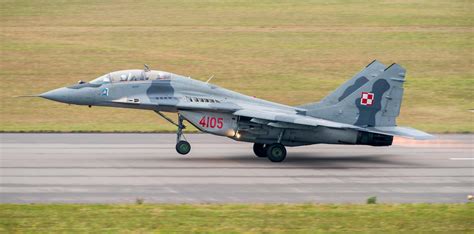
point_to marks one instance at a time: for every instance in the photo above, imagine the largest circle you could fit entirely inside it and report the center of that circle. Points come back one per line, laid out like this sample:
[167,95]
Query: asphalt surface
[119,168]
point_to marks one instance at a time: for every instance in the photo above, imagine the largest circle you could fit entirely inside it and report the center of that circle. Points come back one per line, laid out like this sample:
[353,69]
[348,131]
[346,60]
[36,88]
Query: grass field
[292,52]
[301,218]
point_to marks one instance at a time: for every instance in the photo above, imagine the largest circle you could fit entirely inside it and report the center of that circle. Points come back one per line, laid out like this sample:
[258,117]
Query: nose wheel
[183,147]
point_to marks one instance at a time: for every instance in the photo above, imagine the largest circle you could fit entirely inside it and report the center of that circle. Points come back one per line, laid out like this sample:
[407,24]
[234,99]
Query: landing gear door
[222,124]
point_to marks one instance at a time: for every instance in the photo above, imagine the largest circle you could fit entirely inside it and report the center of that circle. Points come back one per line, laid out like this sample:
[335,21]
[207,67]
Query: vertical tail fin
[375,103]
[371,71]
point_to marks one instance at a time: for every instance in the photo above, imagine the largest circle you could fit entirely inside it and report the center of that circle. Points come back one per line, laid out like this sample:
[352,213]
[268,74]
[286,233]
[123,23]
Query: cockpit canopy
[132,75]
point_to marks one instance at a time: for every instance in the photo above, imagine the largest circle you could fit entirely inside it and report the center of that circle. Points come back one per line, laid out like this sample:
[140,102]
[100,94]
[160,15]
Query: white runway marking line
[461,158]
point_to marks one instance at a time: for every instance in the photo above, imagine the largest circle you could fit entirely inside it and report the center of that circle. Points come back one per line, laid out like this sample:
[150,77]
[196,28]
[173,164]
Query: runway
[119,168]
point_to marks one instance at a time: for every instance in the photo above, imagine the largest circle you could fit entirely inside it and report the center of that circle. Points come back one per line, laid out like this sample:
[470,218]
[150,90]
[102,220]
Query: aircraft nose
[59,95]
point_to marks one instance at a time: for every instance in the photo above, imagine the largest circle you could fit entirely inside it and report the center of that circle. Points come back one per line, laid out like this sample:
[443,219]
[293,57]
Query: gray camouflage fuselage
[340,118]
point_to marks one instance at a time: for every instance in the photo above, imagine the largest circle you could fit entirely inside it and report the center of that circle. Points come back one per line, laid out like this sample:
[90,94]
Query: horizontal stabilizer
[406,132]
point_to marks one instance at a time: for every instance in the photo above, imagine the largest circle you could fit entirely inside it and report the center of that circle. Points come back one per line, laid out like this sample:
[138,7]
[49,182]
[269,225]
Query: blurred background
[291,52]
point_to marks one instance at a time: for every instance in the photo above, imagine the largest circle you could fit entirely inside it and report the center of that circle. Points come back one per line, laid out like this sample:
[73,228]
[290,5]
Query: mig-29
[362,111]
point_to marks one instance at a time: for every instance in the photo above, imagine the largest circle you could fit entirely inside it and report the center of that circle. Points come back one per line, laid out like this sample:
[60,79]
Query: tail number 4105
[211,122]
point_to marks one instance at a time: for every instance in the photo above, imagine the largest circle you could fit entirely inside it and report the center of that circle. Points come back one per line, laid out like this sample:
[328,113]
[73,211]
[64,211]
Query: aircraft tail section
[375,103]
[371,71]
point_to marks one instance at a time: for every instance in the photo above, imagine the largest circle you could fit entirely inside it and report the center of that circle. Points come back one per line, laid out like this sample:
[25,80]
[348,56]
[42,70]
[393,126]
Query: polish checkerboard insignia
[367,99]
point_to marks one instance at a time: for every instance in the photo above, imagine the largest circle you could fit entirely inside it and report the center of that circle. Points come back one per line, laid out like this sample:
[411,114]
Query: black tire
[276,152]
[259,150]
[183,147]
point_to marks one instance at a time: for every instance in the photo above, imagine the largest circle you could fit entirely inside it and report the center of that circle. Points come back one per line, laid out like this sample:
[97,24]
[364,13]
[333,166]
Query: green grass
[292,52]
[275,218]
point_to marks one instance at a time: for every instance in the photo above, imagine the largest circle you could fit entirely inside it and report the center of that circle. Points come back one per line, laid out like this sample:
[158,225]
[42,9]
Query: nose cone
[59,95]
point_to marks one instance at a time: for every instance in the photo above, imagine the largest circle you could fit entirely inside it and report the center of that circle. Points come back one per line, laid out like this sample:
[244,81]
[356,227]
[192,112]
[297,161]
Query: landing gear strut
[182,146]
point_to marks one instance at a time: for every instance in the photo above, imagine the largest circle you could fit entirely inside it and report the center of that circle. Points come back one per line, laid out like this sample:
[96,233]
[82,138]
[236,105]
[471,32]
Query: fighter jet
[362,111]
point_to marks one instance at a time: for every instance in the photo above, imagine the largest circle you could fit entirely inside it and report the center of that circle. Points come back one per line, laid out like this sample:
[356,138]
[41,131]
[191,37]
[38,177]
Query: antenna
[210,78]
[147,69]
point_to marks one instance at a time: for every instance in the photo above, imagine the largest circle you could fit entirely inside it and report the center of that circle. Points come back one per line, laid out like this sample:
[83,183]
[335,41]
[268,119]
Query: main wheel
[276,152]
[183,147]
[259,150]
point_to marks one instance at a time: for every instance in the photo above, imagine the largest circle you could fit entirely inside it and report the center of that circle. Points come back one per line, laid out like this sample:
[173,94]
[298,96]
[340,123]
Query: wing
[276,118]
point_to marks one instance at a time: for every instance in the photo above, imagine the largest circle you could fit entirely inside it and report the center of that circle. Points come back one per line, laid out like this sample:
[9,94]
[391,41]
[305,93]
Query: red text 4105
[211,122]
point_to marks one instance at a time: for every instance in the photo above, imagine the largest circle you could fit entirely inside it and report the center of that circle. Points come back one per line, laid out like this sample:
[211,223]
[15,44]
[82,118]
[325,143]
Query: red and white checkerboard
[367,99]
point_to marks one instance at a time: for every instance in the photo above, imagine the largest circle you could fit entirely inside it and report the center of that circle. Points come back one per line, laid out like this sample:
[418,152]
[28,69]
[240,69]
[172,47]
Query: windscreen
[101,80]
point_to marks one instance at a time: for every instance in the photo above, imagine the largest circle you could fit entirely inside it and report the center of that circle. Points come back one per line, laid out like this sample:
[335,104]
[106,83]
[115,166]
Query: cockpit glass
[101,80]
[132,75]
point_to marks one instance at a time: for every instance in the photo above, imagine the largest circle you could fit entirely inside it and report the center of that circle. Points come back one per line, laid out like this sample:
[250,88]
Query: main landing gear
[274,152]
[259,150]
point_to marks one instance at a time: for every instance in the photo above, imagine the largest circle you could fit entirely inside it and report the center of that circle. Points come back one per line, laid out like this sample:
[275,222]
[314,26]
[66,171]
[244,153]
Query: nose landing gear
[182,146]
